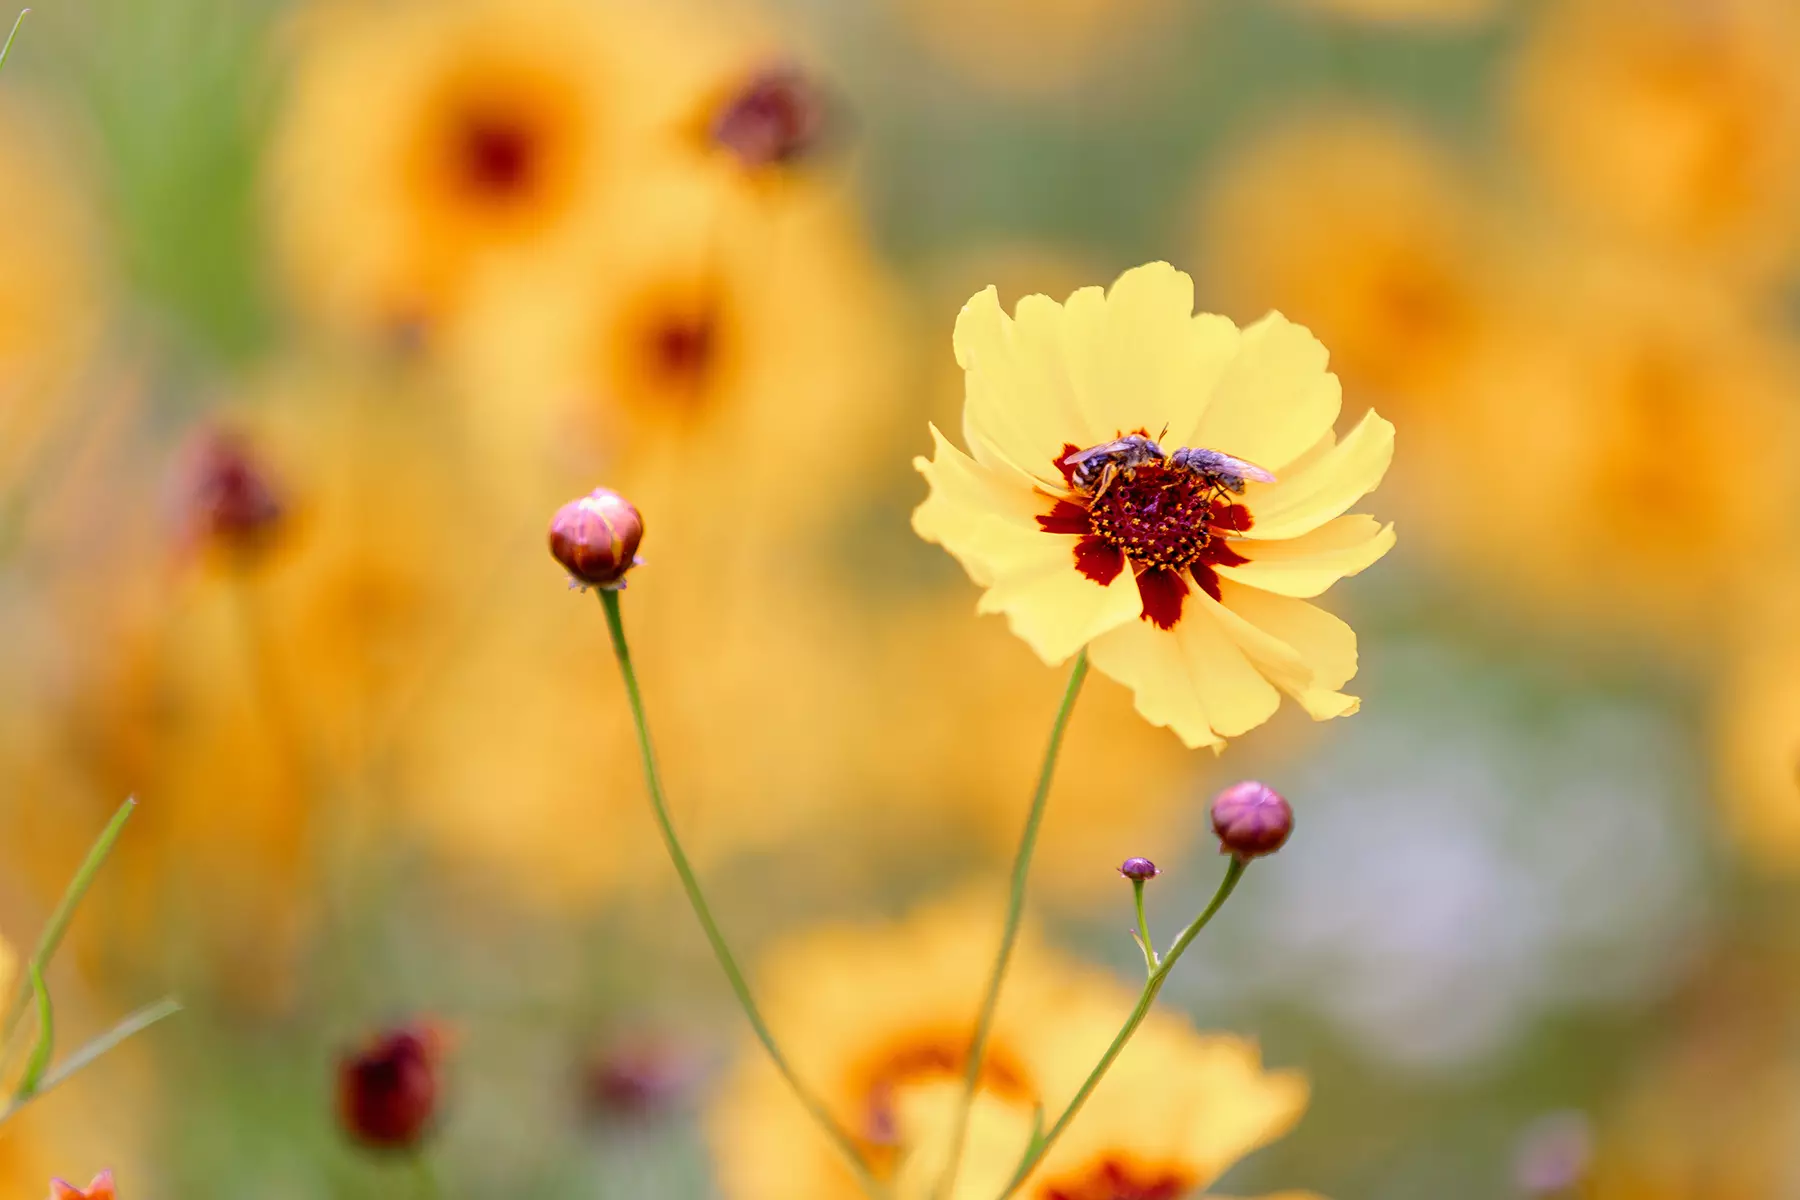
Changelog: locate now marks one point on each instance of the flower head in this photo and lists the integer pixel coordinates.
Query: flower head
(596, 538)
(776, 117)
(226, 498)
(1252, 819)
(1165, 490)
(388, 1091)
(1139, 869)
(100, 1189)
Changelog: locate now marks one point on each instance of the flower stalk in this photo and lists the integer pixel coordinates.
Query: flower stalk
(690, 884)
(1015, 912)
(1152, 986)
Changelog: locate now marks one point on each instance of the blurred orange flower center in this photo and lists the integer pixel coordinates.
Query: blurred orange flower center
(499, 155)
(1114, 1179)
(923, 1060)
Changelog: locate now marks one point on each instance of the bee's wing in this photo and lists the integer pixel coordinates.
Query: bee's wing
(1248, 470)
(1092, 452)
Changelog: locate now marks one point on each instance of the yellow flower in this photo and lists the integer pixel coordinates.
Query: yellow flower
(1187, 587)
(1176, 1110)
(1659, 403)
(1757, 734)
(1441, 13)
(51, 298)
(878, 1020)
(1361, 228)
(1034, 47)
(1670, 121)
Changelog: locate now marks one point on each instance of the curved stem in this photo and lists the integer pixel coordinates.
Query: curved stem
(1015, 911)
(690, 883)
(1143, 928)
(1146, 999)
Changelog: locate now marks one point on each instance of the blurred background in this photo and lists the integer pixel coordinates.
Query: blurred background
(311, 314)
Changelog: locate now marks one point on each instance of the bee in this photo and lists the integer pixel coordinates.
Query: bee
(1096, 467)
(1218, 469)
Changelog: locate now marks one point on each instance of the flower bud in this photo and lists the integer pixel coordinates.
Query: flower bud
(100, 1189)
(225, 498)
(1251, 820)
(1554, 1155)
(636, 1080)
(1139, 869)
(388, 1091)
(776, 118)
(596, 538)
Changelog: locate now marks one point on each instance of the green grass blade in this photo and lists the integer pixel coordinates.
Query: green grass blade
(7, 49)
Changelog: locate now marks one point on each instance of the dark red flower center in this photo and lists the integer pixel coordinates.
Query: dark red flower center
(1157, 517)
(499, 155)
(1162, 523)
(1113, 1179)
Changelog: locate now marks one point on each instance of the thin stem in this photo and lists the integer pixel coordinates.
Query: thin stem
(130, 1027)
(1143, 928)
(1015, 912)
(7, 49)
(690, 883)
(427, 1178)
(1146, 999)
(52, 937)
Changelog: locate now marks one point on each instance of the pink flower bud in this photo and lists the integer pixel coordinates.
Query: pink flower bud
(1251, 820)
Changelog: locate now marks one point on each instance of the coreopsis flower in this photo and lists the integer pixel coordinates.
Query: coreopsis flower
(1675, 122)
(1176, 1111)
(1164, 490)
(52, 293)
(1436, 14)
(1364, 229)
(867, 1013)
(878, 1018)
(100, 1189)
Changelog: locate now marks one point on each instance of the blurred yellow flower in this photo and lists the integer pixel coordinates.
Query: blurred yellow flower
(878, 1018)
(1435, 13)
(1035, 47)
(1673, 121)
(1362, 229)
(425, 146)
(970, 744)
(51, 298)
(1175, 1112)
(1757, 733)
(1188, 587)
(1625, 410)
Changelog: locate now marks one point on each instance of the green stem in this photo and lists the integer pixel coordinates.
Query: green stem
(1015, 912)
(428, 1182)
(130, 1027)
(690, 883)
(1146, 999)
(1143, 929)
(51, 938)
(7, 49)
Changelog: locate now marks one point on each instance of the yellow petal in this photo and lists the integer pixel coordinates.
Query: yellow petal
(1324, 483)
(1275, 399)
(1312, 562)
(1325, 645)
(1193, 679)
(987, 519)
(1048, 603)
(1018, 397)
(1140, 358)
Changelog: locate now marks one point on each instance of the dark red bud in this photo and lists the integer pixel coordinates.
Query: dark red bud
(388, 1091)
(1251, 819)
(775, 118)
(224, 493)
(637, 1080)
(596, 538)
